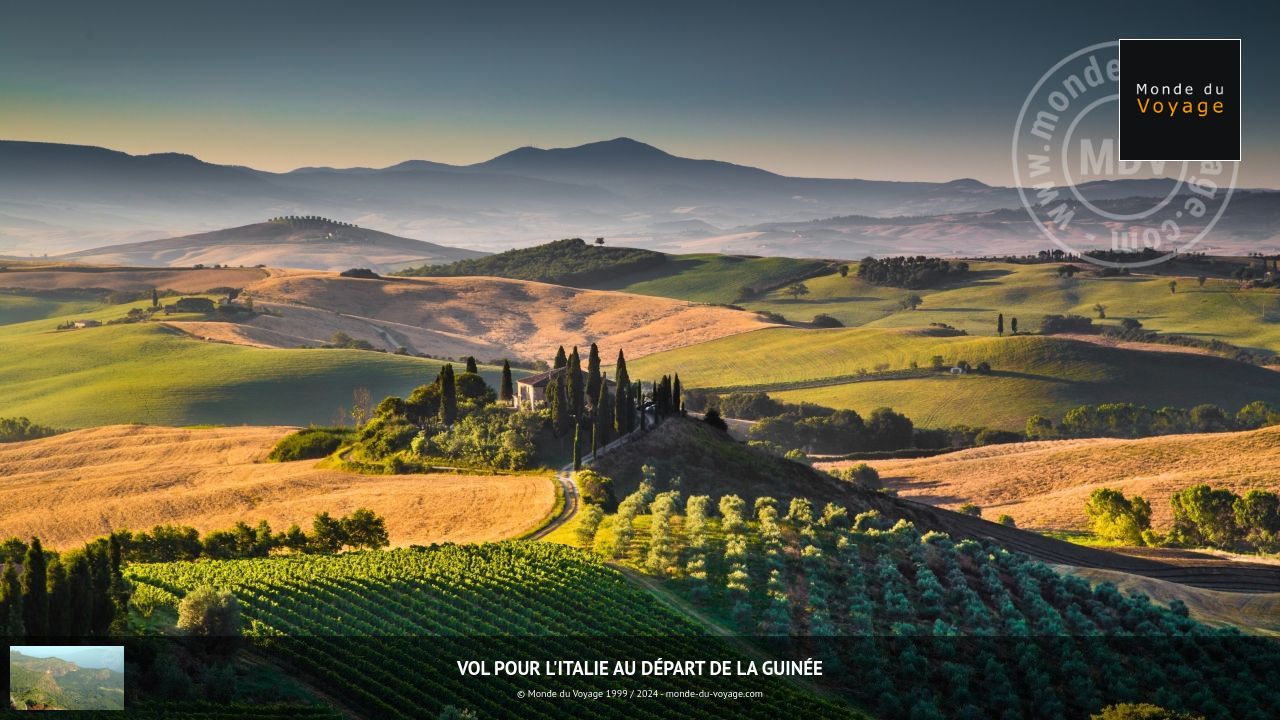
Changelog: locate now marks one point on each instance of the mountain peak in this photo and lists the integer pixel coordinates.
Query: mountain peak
(621, 148)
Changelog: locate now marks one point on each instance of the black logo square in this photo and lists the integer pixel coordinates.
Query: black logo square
(1180, 100)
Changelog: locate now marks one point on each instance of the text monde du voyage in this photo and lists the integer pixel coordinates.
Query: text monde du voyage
(1181, 99)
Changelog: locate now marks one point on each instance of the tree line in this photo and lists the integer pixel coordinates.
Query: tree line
(1203, 516)
(1127, 420)
(913, 272)
(44, 593)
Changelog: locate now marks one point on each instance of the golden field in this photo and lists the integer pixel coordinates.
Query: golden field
(80, 485)
(1044, 485)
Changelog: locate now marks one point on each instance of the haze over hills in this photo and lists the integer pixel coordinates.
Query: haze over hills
(67, 198)
(315, 244)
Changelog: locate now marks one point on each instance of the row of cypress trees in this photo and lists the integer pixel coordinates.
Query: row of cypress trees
(45, 594)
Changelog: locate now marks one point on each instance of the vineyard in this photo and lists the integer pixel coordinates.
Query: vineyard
(923, 627)
(383, 631)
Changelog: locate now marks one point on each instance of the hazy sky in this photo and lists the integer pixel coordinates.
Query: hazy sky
(876, 90)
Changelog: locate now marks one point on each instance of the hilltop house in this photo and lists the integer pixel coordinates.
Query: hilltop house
(531, 390)
(88, 323)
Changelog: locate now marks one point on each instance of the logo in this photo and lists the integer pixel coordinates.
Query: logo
(1082, 196)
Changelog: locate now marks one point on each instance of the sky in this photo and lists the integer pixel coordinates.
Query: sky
(898, 91)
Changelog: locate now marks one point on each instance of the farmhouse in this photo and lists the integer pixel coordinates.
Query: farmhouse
(191, 304)
(88, 323)
(531, 390)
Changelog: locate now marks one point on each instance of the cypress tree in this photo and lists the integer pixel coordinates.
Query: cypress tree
(35, 591)
(471, 365)
(561, 361)
(1013, 326)
(558, 405)
(593, 373)
(80, 590)
(577, 446)
(644, 417)
(11, 604)
(1000, 324)
(604, 419)
(59, 598)
(505, 390)
(448, 395)
(577, 390)
(155, 298)
(103, 606)
(677, 400)
(623, 410)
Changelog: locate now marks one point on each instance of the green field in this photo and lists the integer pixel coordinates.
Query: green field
(1248, 318)
(150, 373)
(1031, 374)
(22, 308)
(710, 278)
(384, 631)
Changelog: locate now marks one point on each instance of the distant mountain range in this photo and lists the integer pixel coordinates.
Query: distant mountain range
(89, 678)
(316, 244)
(65, 198)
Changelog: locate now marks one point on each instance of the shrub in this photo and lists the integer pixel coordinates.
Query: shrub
(309, 444)
(823, 320)
(992, 436)
(1006, 520)
(1051, 324)
(594, 488)
(712, 418)
(970, 509)
(209, 613)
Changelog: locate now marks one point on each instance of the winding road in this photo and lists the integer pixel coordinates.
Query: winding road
(565, 478)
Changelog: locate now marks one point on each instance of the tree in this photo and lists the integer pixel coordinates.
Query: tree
(677, 399)
(1208, 418)
(155, 298)
(624, 410)
(1039, 427)
(364, 529)
(843, 270)
(911, 302)
(59, 598)
(1257, 516)
(970, 509)
(1203, 515)
(1006, 520)
(795, 290)
(561, 360)
(448, 395)
(1000, 324)
(712, 418)
(1101, 310)
(1013, 326)
(577, 446)
(1257, 414)
(603, 419)
(207, 612)
(505, 390)
(593, 373)
(327, 534)
(889, 430)
(576, 386)
(11, 614)
(1173, 286)
(35, 591)
(594, 488)
(1115, 517)
(1200, 280)
(471, 365)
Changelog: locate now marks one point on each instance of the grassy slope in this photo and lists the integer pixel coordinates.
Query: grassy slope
(153, 374)
(709, 277)
(24, 308)
(1249, 318)
(1033, 374)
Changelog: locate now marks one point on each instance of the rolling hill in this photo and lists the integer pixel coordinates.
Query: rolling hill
(155, 374)
(1044, 485)
(311, 244)
(81, 485)
(487, 317)
(1031, 374)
